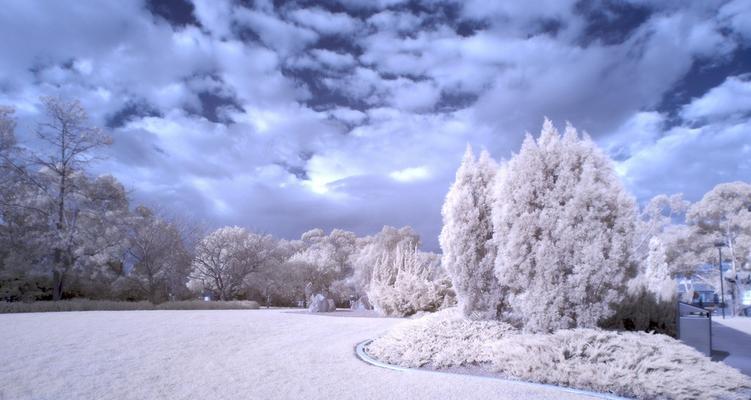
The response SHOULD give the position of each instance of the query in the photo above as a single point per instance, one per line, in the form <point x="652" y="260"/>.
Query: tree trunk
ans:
<point x="57" y="285"/>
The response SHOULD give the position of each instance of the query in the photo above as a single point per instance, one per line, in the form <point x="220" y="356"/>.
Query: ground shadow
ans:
<point x="719" y="355"/>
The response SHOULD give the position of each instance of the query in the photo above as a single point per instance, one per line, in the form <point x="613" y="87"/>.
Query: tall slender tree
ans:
<point x="466" y="239"/>
<point x="70" y="145"/>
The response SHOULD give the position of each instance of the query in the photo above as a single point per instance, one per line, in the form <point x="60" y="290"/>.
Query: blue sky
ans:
<point x="285" y="116"/>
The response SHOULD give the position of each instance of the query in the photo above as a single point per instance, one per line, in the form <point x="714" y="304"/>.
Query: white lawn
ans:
<point x="232" y="354"/>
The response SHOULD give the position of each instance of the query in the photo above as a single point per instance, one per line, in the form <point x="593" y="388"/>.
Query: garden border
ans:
<point x="362" y="355"/>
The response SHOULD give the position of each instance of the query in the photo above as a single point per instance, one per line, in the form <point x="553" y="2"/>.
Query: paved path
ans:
<point x="232" y="354"/>
<point x="731" y="342"/>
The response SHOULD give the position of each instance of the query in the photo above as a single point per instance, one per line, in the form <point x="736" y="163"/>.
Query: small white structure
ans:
<point x="319" y="303"/>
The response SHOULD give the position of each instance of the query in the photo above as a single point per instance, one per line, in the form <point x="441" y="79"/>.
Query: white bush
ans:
<point x="442" y="339"/>
<point x="635" y="364"/>
<point x="407" y="282"/>
<point x="564" y="228"/>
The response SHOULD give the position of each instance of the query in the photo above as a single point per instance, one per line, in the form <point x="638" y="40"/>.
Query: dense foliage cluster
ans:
<point x="551" y="240"/>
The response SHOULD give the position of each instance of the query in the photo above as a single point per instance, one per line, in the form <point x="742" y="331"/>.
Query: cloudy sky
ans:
<point x="284" y="116"/>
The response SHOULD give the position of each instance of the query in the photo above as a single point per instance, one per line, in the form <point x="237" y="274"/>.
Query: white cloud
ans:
<point x="690" y="160"/>
<point x="413" y="96"/>
<point x="731" y="98"/>
<point x="215" y="16"/>
<point x="333" y="59"/>
<point x="410" y="174"/>
<point x="637" y="132"/>
<point x="348" y="115"/>
<point x="325" y="22"/>
<point x="394" y="21"/>
<point x="737" y="14"/>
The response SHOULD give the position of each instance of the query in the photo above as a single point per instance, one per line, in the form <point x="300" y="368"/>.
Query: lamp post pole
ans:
<point x="720" y="245"/>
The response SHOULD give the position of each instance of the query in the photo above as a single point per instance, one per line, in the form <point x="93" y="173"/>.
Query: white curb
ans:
<point x="362" y="355"/>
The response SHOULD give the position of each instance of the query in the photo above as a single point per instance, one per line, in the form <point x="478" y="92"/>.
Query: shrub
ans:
<point x="638" y="364"/>
<point x="108" y="305"/>
<point x="407" y="283"/>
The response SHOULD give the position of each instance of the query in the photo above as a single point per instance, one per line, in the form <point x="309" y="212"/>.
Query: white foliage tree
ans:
<point x="565" y="232"/>
<point x="466" y="239"/>
<point x="224" y="259"/>
<point x="375" y="249"/>
<point x="655" y="218"/>
<point x="724" y="214"/>
<point x="657" y="277"/>
<point x="330" y="256"/>
<point x="405" y="280"/>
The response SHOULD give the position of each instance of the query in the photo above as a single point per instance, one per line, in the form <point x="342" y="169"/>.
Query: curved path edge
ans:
<point x="362" y="355"/>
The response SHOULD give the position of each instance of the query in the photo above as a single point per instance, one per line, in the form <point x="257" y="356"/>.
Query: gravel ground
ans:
<point x="222" y="354"/>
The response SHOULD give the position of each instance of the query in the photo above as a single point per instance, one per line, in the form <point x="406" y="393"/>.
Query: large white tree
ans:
<point x="225" y="257"/>
<point x="565" y="232"/>
<point x="466" y="239"/>
<point x="724" y="215"/>
<point x="330" y="256"/>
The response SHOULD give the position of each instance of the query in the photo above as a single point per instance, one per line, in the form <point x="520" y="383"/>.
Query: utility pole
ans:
<point x="720" y="245"/>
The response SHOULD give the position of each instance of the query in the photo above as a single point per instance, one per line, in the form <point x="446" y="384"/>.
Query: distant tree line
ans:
<point x="67" y="234"/>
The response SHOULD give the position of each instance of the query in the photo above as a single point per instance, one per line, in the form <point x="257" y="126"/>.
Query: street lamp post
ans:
<point x="720" y="244"/>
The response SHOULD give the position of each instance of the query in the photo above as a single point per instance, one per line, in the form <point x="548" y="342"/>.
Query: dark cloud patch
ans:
<point x="328" y="5"/>
<point x="298" y="171"/>
<point x="246" y="34"/>
<point x="363" y="9"/>
<point x="610" y="22"/>
<point x="433" y="15"/>
<point x="468" y="28"/>
<point x="322" y="96"/>
<point x="452" y="101"/>
<point x="177" y="13"/>
<point x="388" y="76"/>
<point x="549" y="26"/>
<point x="132" y="110"/>
<point x="339" y="44"/>
<point x="306" y="155"/>
<point x="214" y="106"/>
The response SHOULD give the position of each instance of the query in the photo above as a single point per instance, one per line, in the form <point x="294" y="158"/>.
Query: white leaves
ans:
<point x="657" y="274"/>
<point x="634" y="364"/>
<point x="226" y="256"/>
<point x="467" y="237"/>
<point x="553" y="232"/>
<point x="405" y="281"/>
